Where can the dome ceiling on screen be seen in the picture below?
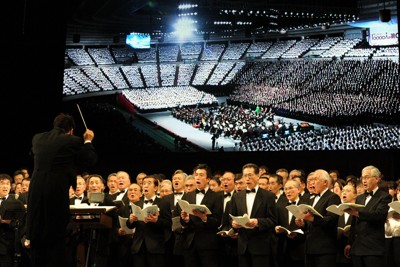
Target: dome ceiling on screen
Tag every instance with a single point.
(213, 16)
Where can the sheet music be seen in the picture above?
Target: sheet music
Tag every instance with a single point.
(122, 223)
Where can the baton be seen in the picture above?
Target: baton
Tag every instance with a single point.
(80, 112)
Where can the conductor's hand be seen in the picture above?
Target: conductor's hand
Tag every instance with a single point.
(88, 135)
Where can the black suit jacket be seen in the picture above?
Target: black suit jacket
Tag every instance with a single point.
(342, 239)
(367, 232)
(57, 158)
(170, 200)
(13, 209)
(23, 197)
(125, 199)
(292, 247)
(282, 200)
(175, 240)
(321, 233)
(124, 242)
(257, 240)
(153, 234)
(203, 235)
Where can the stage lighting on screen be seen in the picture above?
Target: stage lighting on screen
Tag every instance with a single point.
(138, 40)
(184, 28)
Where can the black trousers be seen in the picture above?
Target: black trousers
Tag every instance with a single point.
(252, 260)
(320, 260)
(146, 259)
(367, 261)
(200, 257)
(48, 255)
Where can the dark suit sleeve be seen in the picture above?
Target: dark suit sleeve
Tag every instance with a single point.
(377, 215)
(330, 219)
(370, 218)
(214, 219)
(87, 155)
(271, 220)
(164, 218)
(226, 222)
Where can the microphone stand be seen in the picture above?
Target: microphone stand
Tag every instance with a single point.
(17, 251)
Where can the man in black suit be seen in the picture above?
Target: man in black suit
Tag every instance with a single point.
(122, 239)
(254, 239)
(291, 247)
(303, 184)
(101, 242)
(174, 238)
(123, 182)
(349, 195)
(148, 243)
(199, 229)
(11, 209)
(23, 197)
(367, 233)
(275, 185)
(320, 232)
(79, 195)
(228, 247)
(58, 155)
(99, 239)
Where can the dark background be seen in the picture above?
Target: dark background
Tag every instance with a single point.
(31, 96)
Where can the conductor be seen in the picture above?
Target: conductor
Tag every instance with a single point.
(58, 155)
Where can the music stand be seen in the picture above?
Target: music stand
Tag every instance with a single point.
(14, 210)
(92, 218)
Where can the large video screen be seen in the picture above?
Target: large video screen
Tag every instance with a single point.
(383, 34)
(380, 33)
(138, 40)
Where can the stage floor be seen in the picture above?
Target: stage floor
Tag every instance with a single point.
(203, 139)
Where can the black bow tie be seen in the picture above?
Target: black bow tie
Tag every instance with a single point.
(316, 195)
(148, 201)
(80, 198)
(369, 193)
(2, 198)
(227, 195)
(201, 191)
(178, 193)
(251, 190)
(292, 203)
